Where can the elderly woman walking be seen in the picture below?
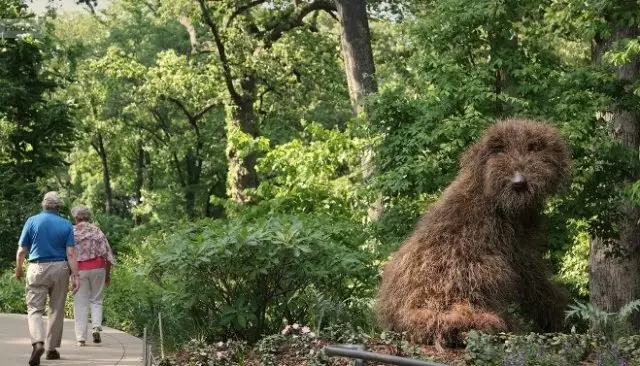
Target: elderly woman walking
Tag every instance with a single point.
(95, 258)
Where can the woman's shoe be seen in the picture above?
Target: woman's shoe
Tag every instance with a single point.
(81, 343)
(96, 336)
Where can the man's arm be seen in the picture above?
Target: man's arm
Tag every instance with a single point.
(72, 259)
(23, 247)
(73, 264)
(20, 257)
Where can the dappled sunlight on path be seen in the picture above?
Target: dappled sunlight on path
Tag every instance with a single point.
(117, 348)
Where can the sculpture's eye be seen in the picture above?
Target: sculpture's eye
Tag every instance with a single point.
(535, 146)
(498, 149)
(496, 145)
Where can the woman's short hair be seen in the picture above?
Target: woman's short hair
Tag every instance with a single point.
(81, 213)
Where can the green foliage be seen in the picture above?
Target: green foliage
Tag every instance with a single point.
(12, 294)
(230, 353)
(241, 278)
(602, 323)
(574, 263)
(116, 230)
(631, 346)
(317, 172)
(547, 349)
(35, 129)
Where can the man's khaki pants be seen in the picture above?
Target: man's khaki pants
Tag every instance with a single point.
(47, 279)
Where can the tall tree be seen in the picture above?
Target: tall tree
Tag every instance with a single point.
(614, 266)
(356, 49)
(360, 71)
(238, 54)
(35, 129)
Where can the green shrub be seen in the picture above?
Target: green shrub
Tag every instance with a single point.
(549, 349)
(602, 323)
(12, 294)
(241, 278)
(116, 229)
(133, 302)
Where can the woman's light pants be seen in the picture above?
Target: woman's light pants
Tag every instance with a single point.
(89, 295)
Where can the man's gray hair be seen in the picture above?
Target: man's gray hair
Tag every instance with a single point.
(81, 213)
(51, 201)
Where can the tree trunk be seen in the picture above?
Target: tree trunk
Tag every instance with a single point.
(356, 49)
(218, 189)
(615, 280)
(242, 165)
(360, 72)
(150, 181)
(192, 182)
(106, 178)
(139, 181)
(500, 46)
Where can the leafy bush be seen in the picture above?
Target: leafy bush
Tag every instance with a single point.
(241, 278)
(531, 349)
(318, 172)
(602, 323)
(12, 294)
(116, 229)
(199, 353)
(133, 301)
(550, 349)
(574, 263)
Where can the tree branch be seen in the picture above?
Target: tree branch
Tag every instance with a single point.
(242, 9)
(181, 106)
(296, 19)
(193, 118)
(151, 7)
(226, 70)
(331, 14)
(193, 38)
(261, 98)
(206, 109)
(94, 144)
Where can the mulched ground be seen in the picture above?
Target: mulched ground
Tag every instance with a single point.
(288, 357)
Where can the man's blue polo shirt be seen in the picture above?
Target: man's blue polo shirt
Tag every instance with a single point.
(47, 236)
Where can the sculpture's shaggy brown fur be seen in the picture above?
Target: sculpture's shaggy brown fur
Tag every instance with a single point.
(479, 247)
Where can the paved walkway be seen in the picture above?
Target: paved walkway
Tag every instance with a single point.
(117, 348)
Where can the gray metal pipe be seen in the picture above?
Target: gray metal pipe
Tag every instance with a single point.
(351, 352)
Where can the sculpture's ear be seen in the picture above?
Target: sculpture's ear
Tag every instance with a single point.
(472, 157)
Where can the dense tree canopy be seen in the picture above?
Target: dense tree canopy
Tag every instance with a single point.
(36, 131)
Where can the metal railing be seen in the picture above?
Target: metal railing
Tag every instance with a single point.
(147, 351)
(361, 356)
(148, 358)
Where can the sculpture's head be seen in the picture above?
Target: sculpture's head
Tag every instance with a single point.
(519, 163)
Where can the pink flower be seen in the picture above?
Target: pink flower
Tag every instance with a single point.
(219, 354)
(286, 329)
(296, 326)
(305, 329)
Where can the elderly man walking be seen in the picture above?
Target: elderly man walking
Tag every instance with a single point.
(48, 238)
